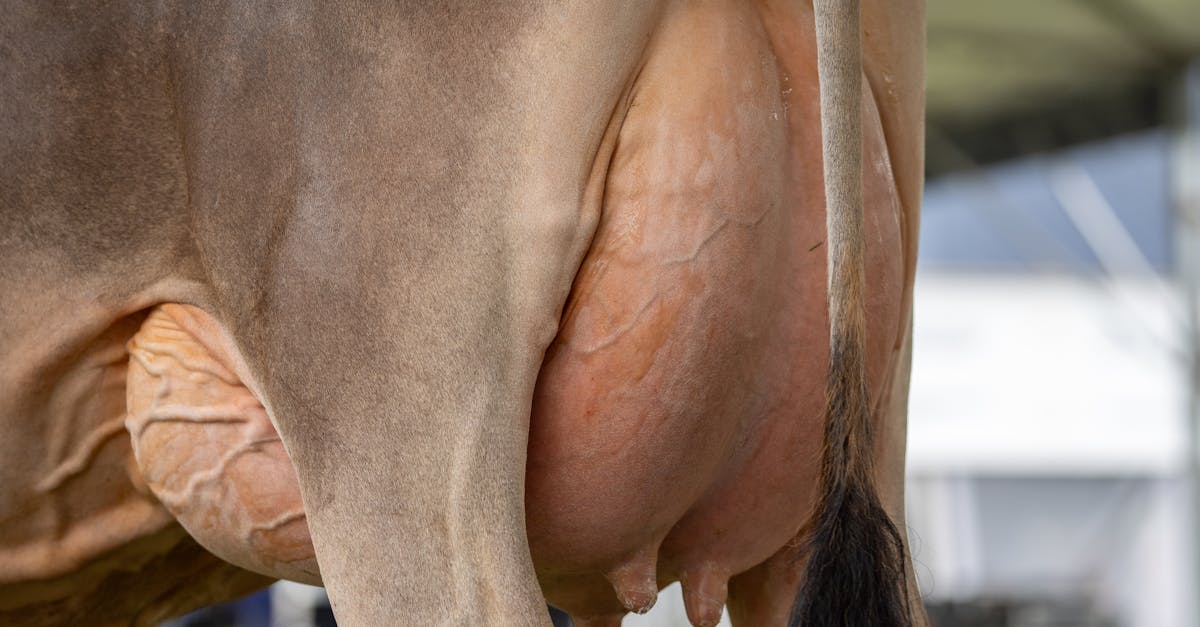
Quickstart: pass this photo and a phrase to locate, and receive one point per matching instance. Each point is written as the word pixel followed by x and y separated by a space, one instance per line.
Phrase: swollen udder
pixel 207 450
pixel 701 293
pixel 678 417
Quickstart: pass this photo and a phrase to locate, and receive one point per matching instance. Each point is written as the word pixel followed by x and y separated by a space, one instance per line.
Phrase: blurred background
pixel 1054 409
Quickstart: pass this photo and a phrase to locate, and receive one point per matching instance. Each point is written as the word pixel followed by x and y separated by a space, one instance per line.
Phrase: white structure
pixel 1048 444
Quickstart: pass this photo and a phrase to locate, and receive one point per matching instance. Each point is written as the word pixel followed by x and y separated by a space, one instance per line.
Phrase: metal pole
pixel 1185 181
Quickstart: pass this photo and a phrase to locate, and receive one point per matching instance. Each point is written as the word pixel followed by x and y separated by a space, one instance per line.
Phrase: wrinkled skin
pixel 476 307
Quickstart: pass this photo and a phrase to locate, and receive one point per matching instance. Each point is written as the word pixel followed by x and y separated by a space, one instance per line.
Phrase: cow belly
pixel 676 421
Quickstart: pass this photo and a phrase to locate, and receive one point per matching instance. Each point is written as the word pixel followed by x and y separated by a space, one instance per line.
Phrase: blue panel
pixel 1006 218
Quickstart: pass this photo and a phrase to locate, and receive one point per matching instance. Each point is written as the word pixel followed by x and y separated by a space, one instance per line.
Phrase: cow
pixel 458 308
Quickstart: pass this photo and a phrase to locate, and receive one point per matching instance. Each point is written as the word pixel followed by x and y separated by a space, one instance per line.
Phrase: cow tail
pixel 855 570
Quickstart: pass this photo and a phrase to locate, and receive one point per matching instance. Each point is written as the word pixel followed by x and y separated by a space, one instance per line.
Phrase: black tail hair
pixel 855 574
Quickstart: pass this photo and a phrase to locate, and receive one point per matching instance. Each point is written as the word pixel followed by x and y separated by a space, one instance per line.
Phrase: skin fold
pixel 207 450
pixel 540 316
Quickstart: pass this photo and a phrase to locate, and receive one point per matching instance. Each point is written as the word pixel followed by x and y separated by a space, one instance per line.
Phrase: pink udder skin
pixel 677 419
pixel 207 450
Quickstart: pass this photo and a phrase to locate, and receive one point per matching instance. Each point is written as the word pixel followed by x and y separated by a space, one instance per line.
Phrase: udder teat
pixel 705 588
pixel 636 580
